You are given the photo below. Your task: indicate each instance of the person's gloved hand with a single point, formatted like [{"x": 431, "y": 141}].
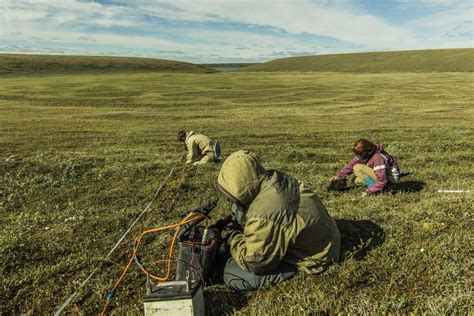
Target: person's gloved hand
[
  {"x": 337, "y": 183},
  {"x": 227, "y": 227},
  {"x": 231, "y": 229},
  {"x": 223, "y": 222},
  {"x": 364, "y": 194}
]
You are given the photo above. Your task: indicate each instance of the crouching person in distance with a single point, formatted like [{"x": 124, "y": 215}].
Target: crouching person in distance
[
  {"x": 286, "y": 228},
  {"x": 372, "y": 166},
  {"x": 201, "y": 149}
]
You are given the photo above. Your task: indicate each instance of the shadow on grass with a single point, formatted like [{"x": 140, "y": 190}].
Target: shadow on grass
[
  {"x": 220, "y": 300},
  {"x": 341, "y": 185},
  {"x": 408, "y": 186},
  {"x": 358, "y": 238}
]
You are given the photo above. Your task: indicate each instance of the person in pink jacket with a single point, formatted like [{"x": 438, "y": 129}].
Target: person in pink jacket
[{"x": 372, "y": 166}]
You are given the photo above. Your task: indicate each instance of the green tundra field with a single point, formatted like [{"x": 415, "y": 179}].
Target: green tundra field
[{"x": 94, "y": 148}]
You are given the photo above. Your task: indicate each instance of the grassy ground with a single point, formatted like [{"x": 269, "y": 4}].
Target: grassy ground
[
  {"x": 96, "y": 147},
  {"x": 444, "y": 60}
]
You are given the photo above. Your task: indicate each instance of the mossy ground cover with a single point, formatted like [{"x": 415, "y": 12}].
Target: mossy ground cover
[{"x": 96, "y": 147}]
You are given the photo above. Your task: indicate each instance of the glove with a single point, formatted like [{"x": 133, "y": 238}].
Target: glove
[
  {"x": 220, "y": 224},
  {"x": 229, "y": 230},
  {"x": 337, "y": 184},
  {"x": 364, "y": 194}
]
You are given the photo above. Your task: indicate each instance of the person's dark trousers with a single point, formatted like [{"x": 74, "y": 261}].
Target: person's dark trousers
[{"x": 240, "y": 280}]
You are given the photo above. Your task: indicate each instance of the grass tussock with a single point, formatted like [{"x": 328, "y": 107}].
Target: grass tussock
[{"x": 92, "y": 149}]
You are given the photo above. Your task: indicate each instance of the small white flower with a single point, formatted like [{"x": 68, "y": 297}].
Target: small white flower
[
  {"x": 72, "y": 218},
  {"x": 422, "y": 249}
]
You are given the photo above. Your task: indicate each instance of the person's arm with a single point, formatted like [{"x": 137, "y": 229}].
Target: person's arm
[
  {"x": 348, "y": 169},
  {"x": 380, "y": 170},
  {"x": 192, "y": 152},
  {"x": 260, "y": 247}
]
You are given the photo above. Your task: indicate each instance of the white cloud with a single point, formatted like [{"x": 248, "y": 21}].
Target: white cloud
[
  {"x": 447, "y": 18},
  {"x": 451, "y": 27},
  {"x": 87, "y": 38},
  {"x": 59, "y": 27},
  {"x": 430, "y": 2},
  {"x": 294, "y": 17},
  {"x": 20, "y": 49},
  {"x": 67, "y": 22},
  {"x": 14, "y": 14},
  {"x": 162, "y": 46},
  {"x": 56, "y": 13}
]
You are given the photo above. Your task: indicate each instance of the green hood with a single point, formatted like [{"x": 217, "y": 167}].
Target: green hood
[
  {"x": 285, "y": 221},
  {"x": 240, "y": 177}
]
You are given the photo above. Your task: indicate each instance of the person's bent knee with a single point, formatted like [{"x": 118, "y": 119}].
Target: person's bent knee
[
  {"x": 238, "y": 279},
  {"x": 238, "y": 284}
]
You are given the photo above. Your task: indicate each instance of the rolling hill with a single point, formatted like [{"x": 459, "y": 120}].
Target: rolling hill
[
  {"x": 46, "y": 64},
  {"x": 433, "y": 60}
]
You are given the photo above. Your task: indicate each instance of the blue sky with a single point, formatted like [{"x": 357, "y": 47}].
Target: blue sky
[{"x": 231, "y": 30}]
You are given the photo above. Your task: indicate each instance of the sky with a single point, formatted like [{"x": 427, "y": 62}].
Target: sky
[{"x": 219, "y": 31}]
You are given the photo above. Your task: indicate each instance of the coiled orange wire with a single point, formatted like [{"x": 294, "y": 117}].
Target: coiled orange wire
[{"x": 190, "y": 218}]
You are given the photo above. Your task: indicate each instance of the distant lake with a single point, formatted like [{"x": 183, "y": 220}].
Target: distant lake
[{"x": 226, "y": 69}]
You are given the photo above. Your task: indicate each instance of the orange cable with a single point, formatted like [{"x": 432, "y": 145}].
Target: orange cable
[
  {"x": 186, "y": 220},
  {"x": 169, "y": 262}
]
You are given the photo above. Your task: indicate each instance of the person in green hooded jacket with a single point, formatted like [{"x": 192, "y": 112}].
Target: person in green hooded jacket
[
  {"x": 286, "y": 228},
  {"x": 200, "y": 148}
]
